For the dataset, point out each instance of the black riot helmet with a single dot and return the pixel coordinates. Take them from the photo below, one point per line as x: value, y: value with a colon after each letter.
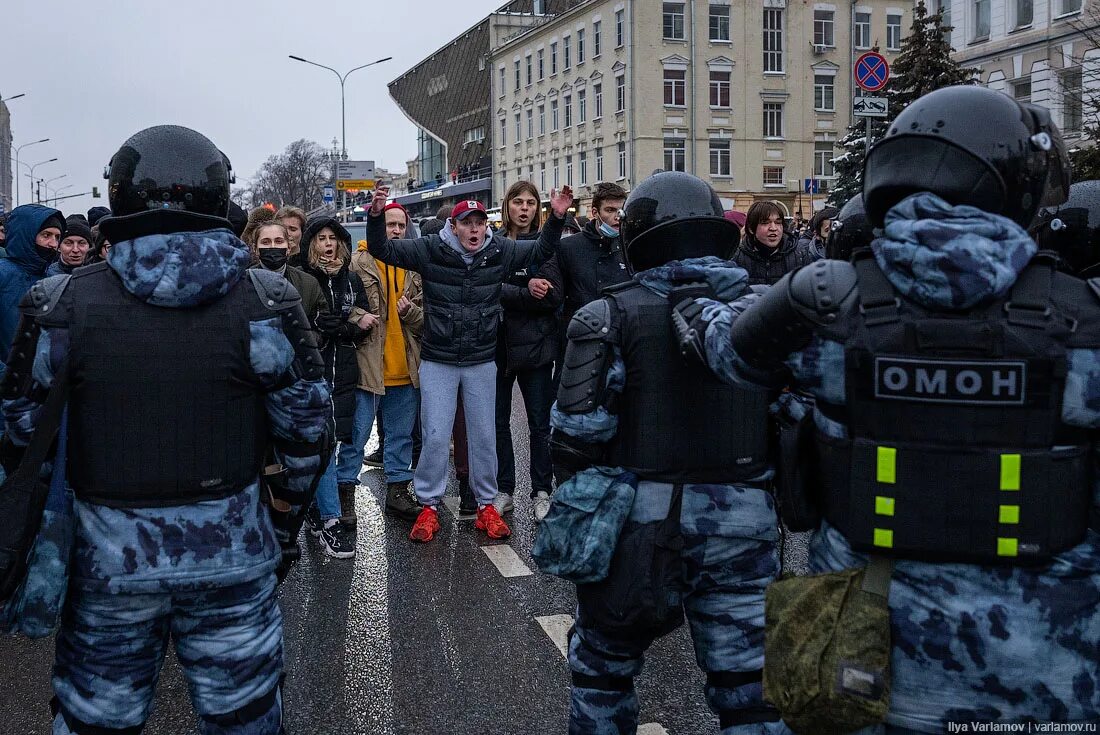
x: 673, y: 216
x: 850, y: 231
x: 969, y: 145
x: 171, y: 171
x: 1072, y: 229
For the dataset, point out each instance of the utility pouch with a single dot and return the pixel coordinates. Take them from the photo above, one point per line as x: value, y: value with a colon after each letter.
x: 827, y: 649
x: 796, y: 471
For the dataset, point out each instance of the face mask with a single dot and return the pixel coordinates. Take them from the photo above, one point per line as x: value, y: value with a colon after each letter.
x: 47, y: 254
x: 273, y: 258
x: 607, y: 230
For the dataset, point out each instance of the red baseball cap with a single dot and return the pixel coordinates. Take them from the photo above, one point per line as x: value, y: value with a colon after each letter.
x: 465, y: 207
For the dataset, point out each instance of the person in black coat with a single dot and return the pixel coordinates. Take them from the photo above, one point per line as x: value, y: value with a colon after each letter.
x: 766, y: 251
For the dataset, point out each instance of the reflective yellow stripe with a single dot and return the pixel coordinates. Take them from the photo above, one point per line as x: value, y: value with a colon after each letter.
x: 884, y: 538
x: 884, y: 506
x: 1007, y: 547
x: 1010, y: 514
x: 886, y: 471
x: 1010, y: 472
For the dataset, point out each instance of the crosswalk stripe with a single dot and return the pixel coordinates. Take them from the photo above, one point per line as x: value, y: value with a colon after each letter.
x: 557, y: 627
x: 651, y: 728
x: 507, y: 561
x: 450, y: 502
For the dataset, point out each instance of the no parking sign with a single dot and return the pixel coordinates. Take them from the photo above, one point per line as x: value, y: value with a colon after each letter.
x: 872, y: 71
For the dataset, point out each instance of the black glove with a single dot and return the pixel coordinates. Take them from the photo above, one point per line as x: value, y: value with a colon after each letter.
x: 351, y: 331
x: 329, y: 323
x: 688, y: 322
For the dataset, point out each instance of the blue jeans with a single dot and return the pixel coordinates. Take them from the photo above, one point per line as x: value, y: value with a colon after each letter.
x: 399, y: 408
x: 349, y: 458
x: 327, y: 498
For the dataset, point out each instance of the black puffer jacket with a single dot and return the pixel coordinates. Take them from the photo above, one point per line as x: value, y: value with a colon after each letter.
x: 589, y: 263
x: 462, y: 302
x: 767, y: 265
x: 529, y: 333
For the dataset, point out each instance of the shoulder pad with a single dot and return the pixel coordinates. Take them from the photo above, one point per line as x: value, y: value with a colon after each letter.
x: 44, y: 295
x: 275, y: 292
x: 592, y: 321
x: 823, y: 288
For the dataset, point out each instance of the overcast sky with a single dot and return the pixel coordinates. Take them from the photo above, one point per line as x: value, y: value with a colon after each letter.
x: 96, y: 72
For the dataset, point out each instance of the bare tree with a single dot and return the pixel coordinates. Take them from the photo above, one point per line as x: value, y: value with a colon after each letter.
x: 296, y: 176
x: 1085, y: 97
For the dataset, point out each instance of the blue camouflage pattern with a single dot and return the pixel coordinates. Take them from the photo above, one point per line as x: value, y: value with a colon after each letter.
x: 971, y: 643
x: 730, y: 555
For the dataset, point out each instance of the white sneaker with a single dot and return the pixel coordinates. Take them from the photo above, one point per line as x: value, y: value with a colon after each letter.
x: 542, y: 505
x: 504, y: 503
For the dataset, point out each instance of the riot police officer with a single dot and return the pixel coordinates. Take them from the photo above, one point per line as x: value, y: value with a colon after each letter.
x: 850, y: 230
x: 628, y: 399
x: 1072, y: 229
x: 955, y: 377
x: 182, y: 368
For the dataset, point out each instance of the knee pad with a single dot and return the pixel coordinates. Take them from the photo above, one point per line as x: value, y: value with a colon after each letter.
x: 249, y: 713
x: 79, y: 727
x: 604, y: 683
x: 757, y: 713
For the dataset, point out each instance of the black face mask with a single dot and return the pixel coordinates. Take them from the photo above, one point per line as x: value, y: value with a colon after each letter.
x: 273, y: 258
x: 47, y: 254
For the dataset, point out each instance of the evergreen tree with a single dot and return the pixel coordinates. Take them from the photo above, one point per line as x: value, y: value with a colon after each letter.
x: 923, y: 65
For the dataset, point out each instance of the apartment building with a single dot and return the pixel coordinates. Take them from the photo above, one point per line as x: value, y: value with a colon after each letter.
x: 752, y: 97
x: 6, y: 201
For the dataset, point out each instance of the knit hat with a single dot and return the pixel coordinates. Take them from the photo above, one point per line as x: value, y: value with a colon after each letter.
x: 54, y: 220
x: 95, y: 214
x: 257, y: 218
x: 395, y: 205
x: 77, y: 226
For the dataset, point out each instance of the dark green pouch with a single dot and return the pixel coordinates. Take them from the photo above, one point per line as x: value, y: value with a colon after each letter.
x: 827, y: 649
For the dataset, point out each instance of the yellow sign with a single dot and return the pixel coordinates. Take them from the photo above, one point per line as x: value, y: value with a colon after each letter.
x: 348, y: 184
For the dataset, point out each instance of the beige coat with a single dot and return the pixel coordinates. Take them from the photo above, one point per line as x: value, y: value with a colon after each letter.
x: 369, y: 352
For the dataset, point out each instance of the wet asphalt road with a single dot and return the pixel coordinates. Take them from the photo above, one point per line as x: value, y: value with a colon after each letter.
x: 406, y: 638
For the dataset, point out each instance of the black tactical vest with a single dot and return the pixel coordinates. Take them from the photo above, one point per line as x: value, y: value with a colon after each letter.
x: 164, y: 406
x: 957, y: 450
x: 677, y: 422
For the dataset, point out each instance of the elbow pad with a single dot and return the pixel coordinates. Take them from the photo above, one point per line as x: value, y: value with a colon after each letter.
x: 587, y: 359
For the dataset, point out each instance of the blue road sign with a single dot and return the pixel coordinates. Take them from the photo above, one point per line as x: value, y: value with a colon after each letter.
x: 328, y: 195
x: 872, y: 72
x: 811, y: 186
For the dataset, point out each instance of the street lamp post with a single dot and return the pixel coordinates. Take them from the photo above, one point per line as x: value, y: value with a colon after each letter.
x: 58, y: 191
x: 343, y: 117
x: 32, y: 168
x: 17, y: 149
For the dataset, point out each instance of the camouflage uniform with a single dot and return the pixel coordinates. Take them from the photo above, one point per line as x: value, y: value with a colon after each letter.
x: 729, y: 557
x: 970, y: 643
x: 202, y: 572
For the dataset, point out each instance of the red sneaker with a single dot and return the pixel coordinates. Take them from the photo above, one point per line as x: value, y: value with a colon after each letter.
x: 489, y: 521
x: 427, y: 523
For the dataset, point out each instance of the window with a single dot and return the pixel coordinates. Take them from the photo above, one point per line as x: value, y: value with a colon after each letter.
x: 582, y: 106
x: 675, y: 85
x: 568, y: 104
x: 553, y: 59
x: 719, y: 22
x: 823, y: 159
x: 582, y: 163
x: 474, y: 135
x: 620, y: 93
x: 557, y: 181
x: 553, y: 114
x: 720, y: 89
x: 719, y: 157
x: 503, y: 131
x: 503, y: 88
x: 530, y: 77
x: 1072, y: 108
x: 863, y: 30
x: 824, y: 93
x: 1025, y: 12
x: 1021, y: 89
x: 981, y: 19
x: 773, y: 176
x: 599, y: 164
x: 823, y: 28
x: 773, y: 40
x: 542, y: 64
x: 519, y: 133
x: 542, y: 119
x: 620, y: 36
x: 621, y: 153
x: 517, y: 74
x: 675, y: 154
x: 597, y: 96
x: 530, y: 123
x: 1070, y: 6
x: 597, y: 38
x: 672, y: 21
x: 569, y: 170
x: 566, y: 52
x: 503, y: 180
x: 893, y: 31
x: 943, y: 7
x: 773, y: 119
x: 542, y: 176
x: 580, y: 45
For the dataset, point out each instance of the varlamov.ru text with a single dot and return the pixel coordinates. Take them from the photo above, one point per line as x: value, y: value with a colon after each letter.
x: 958, y: 727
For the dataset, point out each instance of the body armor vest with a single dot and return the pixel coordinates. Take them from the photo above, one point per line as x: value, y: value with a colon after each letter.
x: 957, y: 450
x: 677, y: 422
x: 165, y: 408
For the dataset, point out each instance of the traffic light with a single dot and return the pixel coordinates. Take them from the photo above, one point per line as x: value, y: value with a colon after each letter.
x: 95, y: 192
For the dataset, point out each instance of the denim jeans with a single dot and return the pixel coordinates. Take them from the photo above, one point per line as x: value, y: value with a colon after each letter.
x: 537, y: 388
x: 327, y: 498
x: 349, y: 458
x: 398, y: 406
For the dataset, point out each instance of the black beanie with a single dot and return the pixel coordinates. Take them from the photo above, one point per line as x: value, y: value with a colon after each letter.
x: 54, y: 220
x: 95, y: 214
x: 76, y: 225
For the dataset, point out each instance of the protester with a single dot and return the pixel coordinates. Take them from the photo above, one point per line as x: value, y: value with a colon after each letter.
x: 294, y: 219
x: 3, y: 233
x: 462, y: 269
x: 766, y: 251
x: 818, y: 232
x: 270, y: 246
x: 34, y: 233
x: 258, y: 216
x: 74, y: 247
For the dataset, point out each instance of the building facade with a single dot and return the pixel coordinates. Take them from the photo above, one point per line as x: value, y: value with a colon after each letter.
x: 6, y: 201
x: 752, y: 97
x: 1040, y: 51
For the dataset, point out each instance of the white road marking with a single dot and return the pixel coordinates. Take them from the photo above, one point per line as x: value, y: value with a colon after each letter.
x: 651, y: 728
x: 450, y: 502
x: 557, y: 627
x: 507, y: 561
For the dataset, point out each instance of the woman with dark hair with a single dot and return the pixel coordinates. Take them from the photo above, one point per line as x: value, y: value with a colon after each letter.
x: 766, y: 251
x: 818, y: 232
x: 526, y: 348
x: 328, y: 258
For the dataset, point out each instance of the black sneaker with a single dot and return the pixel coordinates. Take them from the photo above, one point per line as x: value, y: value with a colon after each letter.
x: 337, y: 540
x: 347, y: 503
x: 401, y: 500
x: 313, y: 521
x: 374, y: 459
x: 467, y: 503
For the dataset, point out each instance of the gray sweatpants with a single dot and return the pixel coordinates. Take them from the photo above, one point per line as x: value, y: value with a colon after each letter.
x: 439, y: 384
